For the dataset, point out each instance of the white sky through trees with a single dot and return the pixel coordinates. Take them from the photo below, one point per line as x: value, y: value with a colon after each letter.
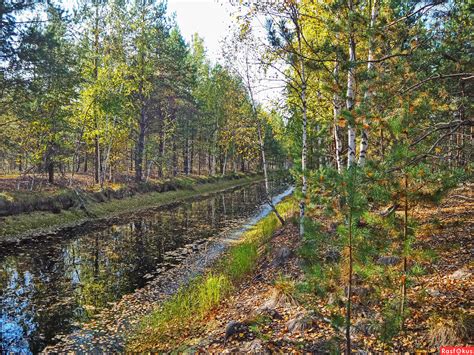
x: 212, y: 20
x: 209, y: 18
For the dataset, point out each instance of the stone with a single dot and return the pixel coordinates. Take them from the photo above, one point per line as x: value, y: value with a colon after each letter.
x: 388, y: 260
x: 270, y: 312
x: 460, y: 274
x: 254, y: 346
x: 433, y: 293
x: 332, y: 256
x: 281, y: 256
x: 299, y: 323
x: 233, y: 327
x: 361, y: 291
x: 332, y: 227
x: 363, y: 326
x: 334, y: 299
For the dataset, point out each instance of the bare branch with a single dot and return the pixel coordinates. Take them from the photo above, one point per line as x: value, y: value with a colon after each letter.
x: 435, y: 77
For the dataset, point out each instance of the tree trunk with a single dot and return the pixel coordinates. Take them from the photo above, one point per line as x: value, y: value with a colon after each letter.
x: 97, y: 164
x: 215, y: 139
x: 199, y: 156
x: 191, y: 154
x: 132, y: 157
x: 78, y: 164
x: 97, y: 161
x: 261, y: 143
x: 303, y: 162
x: 350, y: 95
x: 209, y: 161
x: 175, y: 158
x: 224, y: 165
x: 86, y: 159
x: 140, y: 148
x: 213, y: 164
x: 51, y: 172
x: 186, y: 157
x: 364, y: 142
x: 349, y: 290
x: 304, y: 183
x: 161, y: 149
x: 405, y: 260
x: 337, y: 106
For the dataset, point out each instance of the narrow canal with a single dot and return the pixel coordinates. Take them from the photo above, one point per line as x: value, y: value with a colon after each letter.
x: 51, y: 289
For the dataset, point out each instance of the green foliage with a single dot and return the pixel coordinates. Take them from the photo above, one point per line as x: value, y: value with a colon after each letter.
x: 125, y: 93
x: 391, y: 320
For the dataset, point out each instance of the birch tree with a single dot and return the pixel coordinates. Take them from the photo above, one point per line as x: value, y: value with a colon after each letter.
x: 337, y: 107
x: 284, y: 49
x: 351, y: 83
x: 246, y: 67
x: 364, y: 141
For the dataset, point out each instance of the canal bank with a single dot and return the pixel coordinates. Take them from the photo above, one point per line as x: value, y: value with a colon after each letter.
x: 183, y: 314
x: 41, y: 225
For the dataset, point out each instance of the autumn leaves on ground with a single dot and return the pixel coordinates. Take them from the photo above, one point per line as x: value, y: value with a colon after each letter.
x: 283, y: 305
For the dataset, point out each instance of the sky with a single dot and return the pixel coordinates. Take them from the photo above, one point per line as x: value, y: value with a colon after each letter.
x: 209, y: 18
x: 212, y: 20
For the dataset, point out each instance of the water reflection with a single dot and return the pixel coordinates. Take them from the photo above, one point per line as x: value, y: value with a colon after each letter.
x: 50, y: 289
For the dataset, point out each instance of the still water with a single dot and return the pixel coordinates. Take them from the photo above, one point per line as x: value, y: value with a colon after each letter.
x: 50, y: 289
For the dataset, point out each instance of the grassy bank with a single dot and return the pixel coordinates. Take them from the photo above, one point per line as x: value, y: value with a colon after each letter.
x: 18, y: 226
x: 183, y: 313
x: 54, y: 198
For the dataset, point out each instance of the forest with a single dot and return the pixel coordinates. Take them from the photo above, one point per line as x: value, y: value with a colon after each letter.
x: 117, y: 92
x: 334, y: 137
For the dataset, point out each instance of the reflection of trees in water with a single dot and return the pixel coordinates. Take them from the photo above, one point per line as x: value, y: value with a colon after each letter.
x: 16, y: 318
x: 34, y: 299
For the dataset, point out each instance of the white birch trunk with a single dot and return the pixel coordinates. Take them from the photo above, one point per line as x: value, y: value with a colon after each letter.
x: 304, y: 149
x: 337, y: 105
x: 225, y: 164
x: 364, y: 142
x: 261, y: 142
x: 350, y: 95
x: 304, y: 186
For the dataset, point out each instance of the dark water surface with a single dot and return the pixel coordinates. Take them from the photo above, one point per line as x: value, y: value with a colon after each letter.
x: 50, y: 289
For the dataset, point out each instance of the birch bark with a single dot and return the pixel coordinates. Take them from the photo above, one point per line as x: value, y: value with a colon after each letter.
x: 364, y: 142
x: 350, y: 95
x: 337, y: 105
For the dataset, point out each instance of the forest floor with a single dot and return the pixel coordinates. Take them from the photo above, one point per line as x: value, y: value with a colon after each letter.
x: 100, y: 206
x: 265, y: 313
